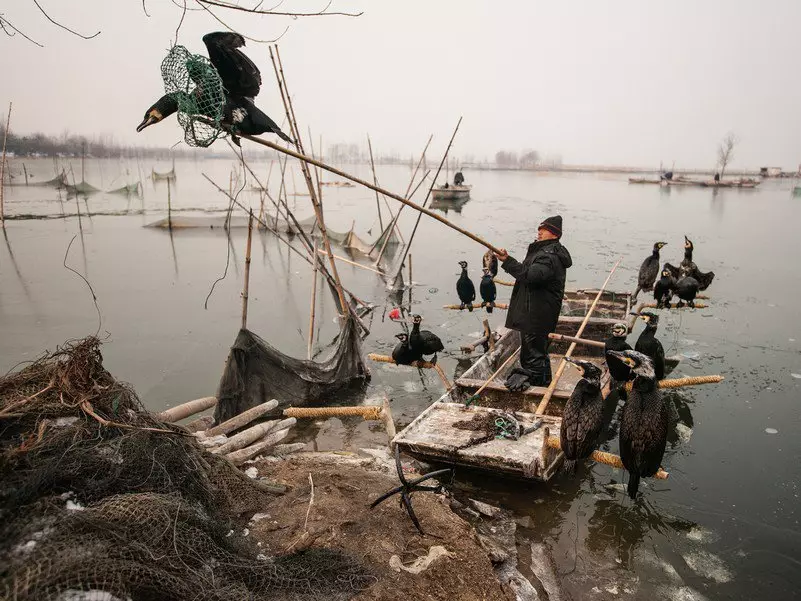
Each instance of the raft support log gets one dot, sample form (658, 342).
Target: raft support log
(240, 456)
(418, 364)
(252, 435)
(475, 306)
(380, 413)
(184, 410)
(602, 457)
(682, 382)
(243, 419)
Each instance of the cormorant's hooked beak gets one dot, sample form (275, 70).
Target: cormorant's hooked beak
(575, 363)
(149, 120)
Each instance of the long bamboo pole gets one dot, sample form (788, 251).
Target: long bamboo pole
(3, 167)
(349, 262)
(247, 273)
(609, 459)
(366, 184)
(562, 364)
(487, 382)
(584, 341)
(312, 309)
(375, 181)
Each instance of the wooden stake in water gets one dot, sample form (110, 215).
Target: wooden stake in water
(375, 181)
(169, 207)
(25, 170)
(3, 168)
(247, 273)
(310, 343)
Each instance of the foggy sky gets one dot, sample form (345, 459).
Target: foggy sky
(624, 82)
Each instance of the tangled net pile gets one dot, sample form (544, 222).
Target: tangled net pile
(99, 497)
(195, 84)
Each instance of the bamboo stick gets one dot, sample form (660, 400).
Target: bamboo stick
(410, 283)
(487, 382)
(503, 282)
(247, 273)
(25, 170)
(253, 434)
(366, 184)
(371, 412)
(312, 309)
(584, 341)
(603, 457)
(239, 457)
(562, 364)
(375, 181)
(242, 419)
(201, 424)
(169, 207)
(475, 306)
(349, 262)
(3, 168)
(682, 382)
(470, 347)
(184, 410)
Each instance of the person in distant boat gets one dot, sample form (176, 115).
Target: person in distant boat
(447, 185)
(717, 178)
(458, 179)
(536, 302)
(667, 176)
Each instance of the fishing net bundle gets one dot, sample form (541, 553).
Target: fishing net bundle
(256, 372)
(194, 83)
(101, 498)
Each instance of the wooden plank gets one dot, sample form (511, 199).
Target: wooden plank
(534, 391)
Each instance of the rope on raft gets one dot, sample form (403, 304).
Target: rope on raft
(681, 382)
(603, 457)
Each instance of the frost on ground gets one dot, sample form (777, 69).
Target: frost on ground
(684, 433)
(702, 535)
(708, 565)
(680, 593)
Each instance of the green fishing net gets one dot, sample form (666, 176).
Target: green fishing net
(196, 85)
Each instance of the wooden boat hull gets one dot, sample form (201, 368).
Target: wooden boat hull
(451, 193)
(644, 180)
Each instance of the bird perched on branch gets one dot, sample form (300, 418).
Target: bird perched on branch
(645, 421)
(241, 80)
(403, 354)
(488, 291)
(687, 267)
(620, 372)
(465, 288)
(663, 289)
(582, 418)
(423, 341)
(648, 344)
(687, 289)
(649, 270)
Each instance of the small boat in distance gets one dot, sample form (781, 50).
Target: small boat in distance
(451, 192)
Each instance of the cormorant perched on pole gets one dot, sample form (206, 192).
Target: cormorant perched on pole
(687, 267)
(241, 80)
(582, 418)
(465, 288)
(424, 342)
(663, 289)
(620, 372)
(648, 343)
(645, 421)
(403, 353)
(648, 270)
(488, 291)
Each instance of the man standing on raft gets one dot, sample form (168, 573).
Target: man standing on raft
(536, 302)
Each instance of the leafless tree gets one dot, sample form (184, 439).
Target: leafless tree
(726, 151)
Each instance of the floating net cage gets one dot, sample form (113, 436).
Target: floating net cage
(195, 84)
(101, 500)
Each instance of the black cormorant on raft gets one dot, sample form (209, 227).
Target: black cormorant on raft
(688, 268)
(582, 418)
(620, 372)
(644, 425)
(649, 270)
(465, 288)
(663, 289)
(424, 341)
(649, 344)
(241, 82)
(403, 354)
(488, 291)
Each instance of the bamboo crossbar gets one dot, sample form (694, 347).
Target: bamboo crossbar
(419, 364)
(503, 282)
(372, 412)
(489, 380)
(367, 184)
(476, 306)
(349, 262)
(563, 363)
(584, 341)
(609, 459)
(682, 382)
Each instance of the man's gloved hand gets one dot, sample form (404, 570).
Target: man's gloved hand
(519, 380)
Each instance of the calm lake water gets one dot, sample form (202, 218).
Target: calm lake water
(726, 523)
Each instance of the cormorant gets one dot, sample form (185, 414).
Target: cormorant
(687, 267)
(644, 424)
(649, 270)
(582, 418)
(490, 261)
(663, 289)
(403, 353)
(465, 288)
(241, 81)
(648, 344)
(620, 372)
(686, 289)
(487, 290)
(423, 341)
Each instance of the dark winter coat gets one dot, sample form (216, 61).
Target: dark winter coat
(539, 287)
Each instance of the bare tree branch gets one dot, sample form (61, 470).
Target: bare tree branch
(726, 151)
(181, 22)
(322, 13)
(229, 28)
(6, 23)
(144, 8)
(49, 18)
